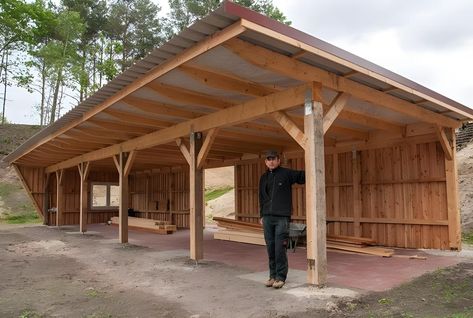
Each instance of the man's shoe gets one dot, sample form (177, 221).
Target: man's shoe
(278, 284)
(270, 282)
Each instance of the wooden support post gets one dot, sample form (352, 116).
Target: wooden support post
(83, 168)
(60, 204)
(315, 188)
(196, 199)
(46, 199)
(356, 193)
(124, 162)
(336, 193)
(453, 212)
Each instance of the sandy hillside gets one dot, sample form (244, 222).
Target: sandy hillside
(465, 189)
(223, 206)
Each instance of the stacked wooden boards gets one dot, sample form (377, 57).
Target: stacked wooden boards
(155, 226)
(239, 231)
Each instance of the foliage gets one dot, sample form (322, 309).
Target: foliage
(185, 12)
(73, 47)
(468, 238)
(212, 194)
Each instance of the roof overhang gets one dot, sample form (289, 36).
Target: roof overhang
(216, 74)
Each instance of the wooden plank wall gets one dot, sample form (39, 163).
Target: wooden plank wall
(33, 180)
(161, 196)
(72, 197)
(394, 195)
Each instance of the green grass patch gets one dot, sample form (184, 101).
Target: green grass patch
(30, 314)
(467, 238)
(211, 194)
(7, 188)
(31, 217)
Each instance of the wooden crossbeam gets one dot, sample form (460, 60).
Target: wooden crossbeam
(184, 150)
(290, 127)
(337, 105)
(234, 115)
(204, 150)
(279, 63)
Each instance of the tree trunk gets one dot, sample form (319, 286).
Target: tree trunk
(5, 84)
(55, 97)
(43, 93)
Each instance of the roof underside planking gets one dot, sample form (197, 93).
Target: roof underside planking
(233, 57)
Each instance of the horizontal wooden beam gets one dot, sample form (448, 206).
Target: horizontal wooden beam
(234, 115)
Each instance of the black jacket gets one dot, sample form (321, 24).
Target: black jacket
(275, 191)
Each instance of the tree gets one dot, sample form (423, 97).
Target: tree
(15, 30)
(185, 12)
(94, 15)
(134, 29)
(60, 54)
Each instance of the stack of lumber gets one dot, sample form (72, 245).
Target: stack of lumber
(238, 231)
(155, 226)
(252, 233)
(357, 245)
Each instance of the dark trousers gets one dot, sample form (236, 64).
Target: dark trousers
(276, 232)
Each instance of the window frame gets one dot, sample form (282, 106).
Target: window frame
(107, 196)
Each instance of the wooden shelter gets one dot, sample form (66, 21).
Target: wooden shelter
(378, 149)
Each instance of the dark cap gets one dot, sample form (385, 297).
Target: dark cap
(271, 153)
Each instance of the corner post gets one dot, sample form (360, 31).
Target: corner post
(315, 187)
(453, 211)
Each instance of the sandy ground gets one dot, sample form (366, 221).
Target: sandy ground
(54, 273)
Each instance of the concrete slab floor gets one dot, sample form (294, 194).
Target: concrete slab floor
(361, 273)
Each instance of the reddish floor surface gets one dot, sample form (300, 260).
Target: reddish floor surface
(364, 272)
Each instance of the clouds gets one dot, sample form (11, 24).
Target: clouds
(428, 41)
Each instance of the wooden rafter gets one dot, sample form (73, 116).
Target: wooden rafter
(298, 70)
(187, 55)
(154, 107)
(114, 126)
(143, 120)
(234, 115)
(226, 82)
(187, 96)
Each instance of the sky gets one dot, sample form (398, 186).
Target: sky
(427, 41)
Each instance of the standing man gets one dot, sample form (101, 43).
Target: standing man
(275, 201)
